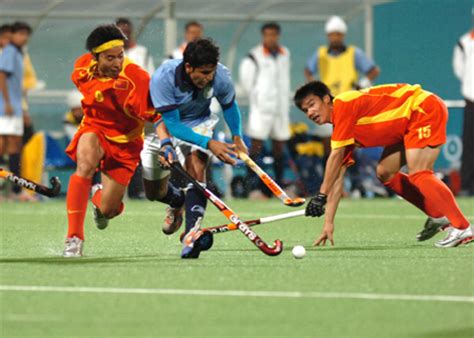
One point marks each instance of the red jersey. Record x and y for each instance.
(117, 107)
(384, 115)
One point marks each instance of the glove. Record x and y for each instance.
(167, 151)
(316, 205)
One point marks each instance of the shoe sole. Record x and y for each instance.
(465, 241)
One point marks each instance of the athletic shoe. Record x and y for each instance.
(190, 247)
(173, 220)
(101, 222)
(432, 227)
(456, 237)
(73, 247)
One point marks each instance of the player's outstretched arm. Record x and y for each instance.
(333, 202)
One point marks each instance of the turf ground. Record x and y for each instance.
(377, 282)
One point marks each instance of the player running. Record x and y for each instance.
(405, 119)
(116, 104)
(181, 90)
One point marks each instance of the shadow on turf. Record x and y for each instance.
(84, 260)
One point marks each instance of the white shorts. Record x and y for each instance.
(205, 128)
(11, 125)
(265, 126)
(152, 171)
(324, 130)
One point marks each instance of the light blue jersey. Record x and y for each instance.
(171, 88)
(11, 63)
(184, 106)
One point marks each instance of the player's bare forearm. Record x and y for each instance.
(4, 87)
(308, 75)
(161, 131)
(333, 168)
(334, 198)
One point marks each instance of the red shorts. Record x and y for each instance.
(120, 159)
(427, 126)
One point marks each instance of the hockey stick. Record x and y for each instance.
(270, 183)
(40, 189)
(231, 226)
(274, 250)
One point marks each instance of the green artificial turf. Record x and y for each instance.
(375, 254)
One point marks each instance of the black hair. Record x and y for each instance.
(5, 28)
(201, 52)
(191, 24)
(124, 21)
(103, 34)
(21, 26)
(271, 25)
(314, 87)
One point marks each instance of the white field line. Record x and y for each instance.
(240, 293)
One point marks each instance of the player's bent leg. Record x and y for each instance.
(107, 201)
(436, 194)
(158, 188)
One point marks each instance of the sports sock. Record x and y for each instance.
(14, 165)
(174, 197)
(76, 204)
(438, 195)
(402, 186)
(97, 199)
(195, 203)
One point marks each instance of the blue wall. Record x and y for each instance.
(414, 42)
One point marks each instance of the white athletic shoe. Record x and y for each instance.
(456, 237)
(101, 222)
(73, 247)
(432, 227)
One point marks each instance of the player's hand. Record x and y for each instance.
(223, 151)
(327, 233)
(315, 207)
(167, 153)
(240, 145)
(8, 109)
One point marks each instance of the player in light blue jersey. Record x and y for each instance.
(181, 90)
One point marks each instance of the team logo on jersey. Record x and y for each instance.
(99, 97)
(121, 84)
(208, 92)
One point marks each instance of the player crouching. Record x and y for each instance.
(410, 123)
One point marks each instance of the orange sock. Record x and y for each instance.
(76, 204)
(97, 199)
(438, 195)
(402, 186)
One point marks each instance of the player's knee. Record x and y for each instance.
(85, 169)
(383, 174)
(157, 194)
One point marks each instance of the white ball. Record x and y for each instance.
(298, 251)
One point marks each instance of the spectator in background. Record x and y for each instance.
(73, 118)
(265, 76)
(137, 53)
(11, 90)
(463, 64)
(192, 30)
(5, 35)
(340, 67)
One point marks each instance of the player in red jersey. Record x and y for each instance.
(116, 104)
(405, 119)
